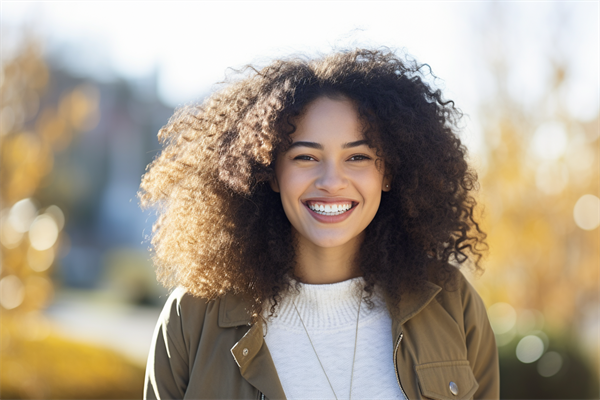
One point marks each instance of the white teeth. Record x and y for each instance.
(333, 209)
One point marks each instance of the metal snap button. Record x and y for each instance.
(245, 352)
(453, 388)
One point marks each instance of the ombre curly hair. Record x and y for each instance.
(221, 228)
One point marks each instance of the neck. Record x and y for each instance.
(322, 265)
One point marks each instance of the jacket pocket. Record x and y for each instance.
(448, 380)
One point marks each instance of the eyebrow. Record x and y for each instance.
(319, 146)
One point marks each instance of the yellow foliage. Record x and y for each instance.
(56, 368)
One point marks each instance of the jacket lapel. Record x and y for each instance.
(409, 306)
(250, 352)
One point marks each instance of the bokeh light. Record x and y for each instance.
(9, 236)
(502, 317)
(587, 212)
(12, 292)
(56, 213)
(40, 261)
(43, 232)
(549, 364)
(530, 349)
(550, 140)
(22, 215)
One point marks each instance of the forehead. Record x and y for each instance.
(328, 119)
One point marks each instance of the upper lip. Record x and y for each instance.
(329, 200)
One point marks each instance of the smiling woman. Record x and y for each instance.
(290, 198)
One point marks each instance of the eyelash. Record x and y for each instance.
(362, 157)
(304, 158)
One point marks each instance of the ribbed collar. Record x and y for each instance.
(326, 307)
(234, 311)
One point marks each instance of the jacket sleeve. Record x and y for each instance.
(167, 370)
(481, 345)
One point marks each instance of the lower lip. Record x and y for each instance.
(330, 219)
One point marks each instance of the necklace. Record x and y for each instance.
(318, 359)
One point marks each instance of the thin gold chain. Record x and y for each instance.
(318, 359)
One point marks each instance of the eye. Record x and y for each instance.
(304, 157)
(359, 157)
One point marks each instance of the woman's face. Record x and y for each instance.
(329, 179)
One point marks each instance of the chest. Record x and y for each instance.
(337, 362)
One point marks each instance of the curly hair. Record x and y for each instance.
(220, 226)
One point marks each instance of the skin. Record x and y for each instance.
(329, 163)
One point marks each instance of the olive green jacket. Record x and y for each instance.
(209, 350)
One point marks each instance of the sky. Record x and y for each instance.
(190, 45)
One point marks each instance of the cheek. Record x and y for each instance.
(293, 181)
(371, 183)
(291, 188)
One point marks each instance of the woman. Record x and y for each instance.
(312, 216)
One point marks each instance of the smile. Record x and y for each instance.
(329, 209)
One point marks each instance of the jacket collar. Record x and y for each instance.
(410, 305)
(234, 311)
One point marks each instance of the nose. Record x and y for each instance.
(332, 178)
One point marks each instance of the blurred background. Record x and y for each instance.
(85, 87)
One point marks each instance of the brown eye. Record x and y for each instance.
(359, 157)
(304, 158)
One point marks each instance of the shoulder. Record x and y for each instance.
(183, 317)
(181, 304)
(459, 298)
(186, 315)
(468, 309)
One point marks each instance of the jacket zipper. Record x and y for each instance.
(396, 364)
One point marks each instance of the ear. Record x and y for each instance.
(274, 184)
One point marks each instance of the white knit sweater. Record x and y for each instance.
(330, 313)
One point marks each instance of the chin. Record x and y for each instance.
(330, 242)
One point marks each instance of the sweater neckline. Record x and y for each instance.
(326, 306)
